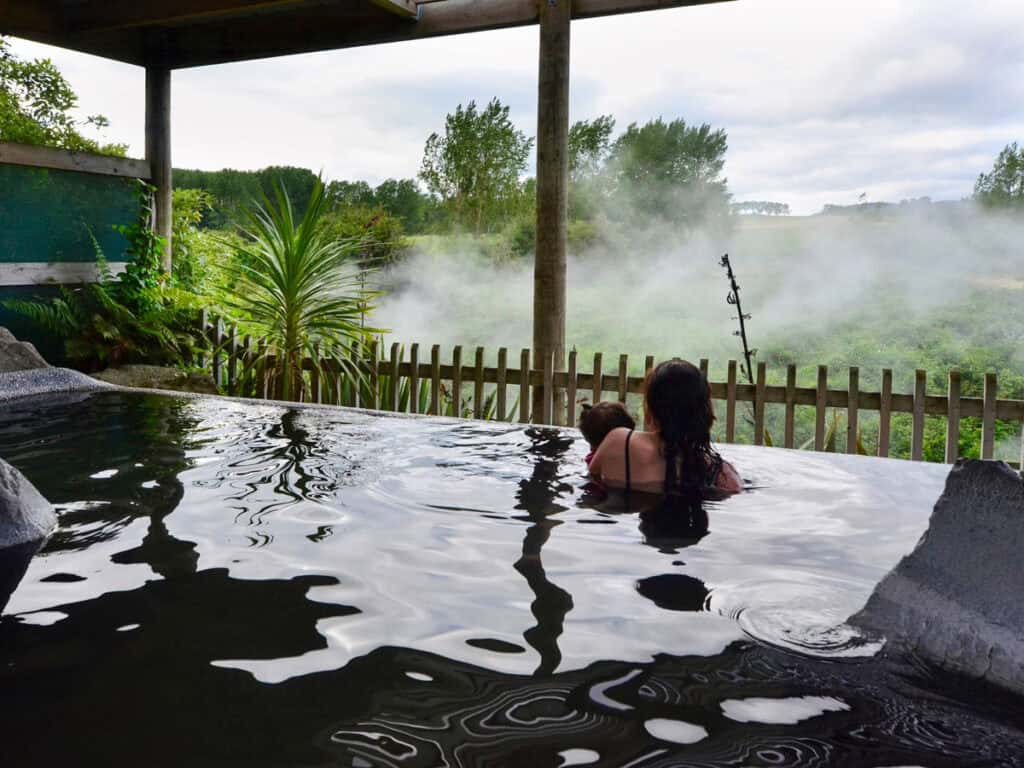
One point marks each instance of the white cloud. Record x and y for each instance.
(821, 100)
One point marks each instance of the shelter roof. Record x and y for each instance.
(188, 33)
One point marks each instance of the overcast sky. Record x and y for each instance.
(822, 99)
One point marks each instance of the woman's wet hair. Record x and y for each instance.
(677, 399)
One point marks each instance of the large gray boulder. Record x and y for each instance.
(18, 355)
(957, 598)
(25, 516)
(158, 377)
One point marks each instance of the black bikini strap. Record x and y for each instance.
(628, 478)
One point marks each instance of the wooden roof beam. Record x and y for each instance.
(91, 17)
(406, 8)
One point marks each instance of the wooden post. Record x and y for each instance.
(158, 153)
(233, 360)
(549, 296)
(435, 380)
(820, 405)
(414, 378)
(394, 391)
(457, 381)
(988, 417)
(570, 391)
(316, 384)
(598, 376)
(917, 425)
(953, 418)
(885, 414)
(246, 388)
(623, 377)
(373, 400)
(502, 384)
(547, 414)
(853, 396)
(218, 349)
(730, 404)
(204, 336)
(524, 387)
(478, 384)
(789, 437)
(759, 405)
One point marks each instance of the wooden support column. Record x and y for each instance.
(549, 298)
(158, 152)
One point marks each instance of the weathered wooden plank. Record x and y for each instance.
(852, 409)
(548, 389)
(435, 380)
(570, 390)
(414, 378)
(64, 160)
(730, 404)
(478, 384)
(988, 417)
(373, 399)
(953, 418)
(457, 381)
(789, 437)
(394, 390)
(820, 404)
(246, 385)
(218, 352)
(598, 379)
(524, 387)
(704, 367)
(158, 156)
(917, 425)
(759, 405)
(232, 360)
(885, 413)
(623, 377)
(501, 380)
(648, 365)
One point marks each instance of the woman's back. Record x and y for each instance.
(646, 470)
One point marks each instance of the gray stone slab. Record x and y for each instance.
(25, 516)
(18, 355)
(41, 381)
(956, 599)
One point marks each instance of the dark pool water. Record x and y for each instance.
(244, 584)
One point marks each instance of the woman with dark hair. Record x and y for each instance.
(673, 456)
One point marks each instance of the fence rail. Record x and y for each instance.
(430, 386)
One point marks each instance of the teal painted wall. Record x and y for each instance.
(46, 215)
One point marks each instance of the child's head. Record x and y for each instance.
(599, 419)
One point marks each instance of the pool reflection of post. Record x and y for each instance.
(538, 496)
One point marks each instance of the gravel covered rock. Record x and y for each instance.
(158, 377)
(43, 381)
(18, 355)
(25, 516)
(956, 599)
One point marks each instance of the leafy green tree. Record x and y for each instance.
(475, 167)
(35, 107)
(299, 288)
(379, 235)
(345, 193)
(403, 199)
(670, 171)
(1003, 186)
(589, 144)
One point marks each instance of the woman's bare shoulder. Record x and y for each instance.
(729, 479)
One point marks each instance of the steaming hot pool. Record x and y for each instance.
(249, 584)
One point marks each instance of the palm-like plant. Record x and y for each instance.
(300, 289)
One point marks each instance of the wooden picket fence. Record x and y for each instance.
(439, 380)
